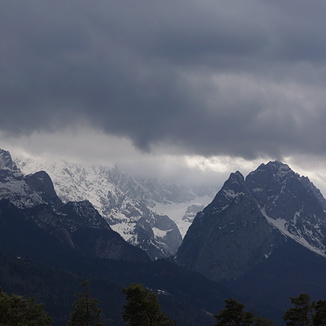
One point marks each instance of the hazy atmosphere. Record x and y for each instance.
(188, 90)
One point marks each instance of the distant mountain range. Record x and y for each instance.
(147, 213)
(260, 240)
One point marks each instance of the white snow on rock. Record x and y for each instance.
(177, 211)
(282, 226)
(124, 201)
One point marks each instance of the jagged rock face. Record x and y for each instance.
(83, 215)
(162, 229)
(230, 236)
(248, 219)
(157, 234)
(6, 163)
(77, 225)
(24, 191)
(42, 183)
(291, 202)
(318, 195)
(91, 234)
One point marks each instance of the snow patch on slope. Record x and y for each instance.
(177, 211)
(282, 226)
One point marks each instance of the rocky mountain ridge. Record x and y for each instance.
(251, 217)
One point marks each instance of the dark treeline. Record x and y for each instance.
(303, 313)
(142, 308)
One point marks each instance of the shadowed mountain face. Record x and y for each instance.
(250, 218)
(31, 201)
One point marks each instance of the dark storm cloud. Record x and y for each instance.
(212, 77)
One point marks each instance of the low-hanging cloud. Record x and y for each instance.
(243, 78)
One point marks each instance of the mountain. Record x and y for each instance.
(140, 210)
(48, 247)
(250, 219)
(290, 203)
(29, 202)
(260, 241)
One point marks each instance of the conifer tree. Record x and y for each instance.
(301, 313)
(86, 311)
(319, 318)
(16, 310)
(143, 308)
(233, 315)
(261, 321)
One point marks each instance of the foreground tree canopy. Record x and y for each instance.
(86, 311)
(306, 312)
(143, 308)
(233, 315)
(15, 310)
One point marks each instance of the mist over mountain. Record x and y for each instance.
(147, 213)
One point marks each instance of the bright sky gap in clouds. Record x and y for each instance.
(184, 88)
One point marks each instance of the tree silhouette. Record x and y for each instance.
(86, 311)
(233, 315)
(143, 308)
(319, 317)
(301, 313)
(16, 310)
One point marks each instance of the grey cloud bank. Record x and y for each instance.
(238, 78)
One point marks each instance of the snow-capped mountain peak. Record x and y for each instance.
(129, 204)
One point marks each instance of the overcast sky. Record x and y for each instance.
(169, 87)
